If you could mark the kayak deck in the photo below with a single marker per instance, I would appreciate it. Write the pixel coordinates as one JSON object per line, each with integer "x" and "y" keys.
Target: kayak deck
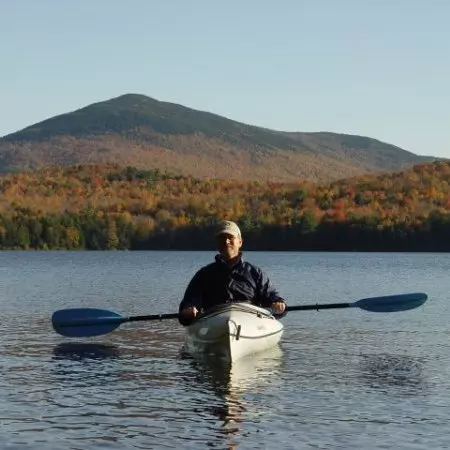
{"x": 234, "y": 330}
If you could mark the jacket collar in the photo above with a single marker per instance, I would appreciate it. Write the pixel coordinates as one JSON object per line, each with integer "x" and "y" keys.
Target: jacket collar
{"x": 219, "y": 259}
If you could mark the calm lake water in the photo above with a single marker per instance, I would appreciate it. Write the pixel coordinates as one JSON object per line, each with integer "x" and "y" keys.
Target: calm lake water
{"x": 339, "y": 378}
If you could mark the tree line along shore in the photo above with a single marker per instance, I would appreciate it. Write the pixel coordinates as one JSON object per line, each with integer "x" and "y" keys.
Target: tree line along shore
{"x": 106, "y": 207}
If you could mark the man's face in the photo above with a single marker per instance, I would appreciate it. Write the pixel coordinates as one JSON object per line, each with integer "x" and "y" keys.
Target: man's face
{"x": 229, "y": 245}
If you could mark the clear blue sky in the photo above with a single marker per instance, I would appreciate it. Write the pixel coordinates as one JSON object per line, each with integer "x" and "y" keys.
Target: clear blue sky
{"x": 373, "y": 68}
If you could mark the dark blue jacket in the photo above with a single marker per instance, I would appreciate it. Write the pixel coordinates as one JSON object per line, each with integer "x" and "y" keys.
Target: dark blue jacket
{"x": 219, "y": 283}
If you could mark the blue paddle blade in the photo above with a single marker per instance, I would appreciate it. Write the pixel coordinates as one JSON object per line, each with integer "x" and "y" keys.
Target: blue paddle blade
{"x": 83, "y": 322}
{"x": 391, "y": 303}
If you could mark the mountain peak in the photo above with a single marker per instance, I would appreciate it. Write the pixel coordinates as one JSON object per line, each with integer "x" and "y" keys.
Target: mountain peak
{"x": 137, "y": 130}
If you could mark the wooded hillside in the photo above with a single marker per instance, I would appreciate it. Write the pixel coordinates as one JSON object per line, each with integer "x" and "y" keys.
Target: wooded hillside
{"x": 110, "y": 207}
{"x": 134, "y": 130}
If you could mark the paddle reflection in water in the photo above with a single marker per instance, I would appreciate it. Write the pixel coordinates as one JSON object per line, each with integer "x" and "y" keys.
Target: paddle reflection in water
{"x": 237, "y": 386}
{"x": 77, "y": 351}
{"x": 127, "y": 359}
{"x": 398, "y": 374}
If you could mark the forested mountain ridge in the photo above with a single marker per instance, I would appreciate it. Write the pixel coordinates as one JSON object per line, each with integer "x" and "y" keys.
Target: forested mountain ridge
{"x": 135, "y": 130}
{"x": 111, "y": 207}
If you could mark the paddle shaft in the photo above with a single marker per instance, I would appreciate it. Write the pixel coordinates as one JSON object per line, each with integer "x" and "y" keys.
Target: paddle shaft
{"x": 289, "y": 308}
{"x": 317, "y": 307}
{"x": 151, "y": 317}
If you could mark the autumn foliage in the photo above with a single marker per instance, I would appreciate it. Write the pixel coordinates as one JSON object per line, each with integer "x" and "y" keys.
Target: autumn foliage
{"x": 111, "y": 207}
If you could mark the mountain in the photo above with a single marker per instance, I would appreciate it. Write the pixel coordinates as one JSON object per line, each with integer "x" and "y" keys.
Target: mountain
{"x": 139, "y": 131}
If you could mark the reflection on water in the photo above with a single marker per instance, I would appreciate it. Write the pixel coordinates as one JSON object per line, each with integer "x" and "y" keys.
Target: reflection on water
{"x": 77, "y": 351}
{"x": 232, "y": 384}
{"x": 399, "y": 374}
{"x": 252, "y": 371}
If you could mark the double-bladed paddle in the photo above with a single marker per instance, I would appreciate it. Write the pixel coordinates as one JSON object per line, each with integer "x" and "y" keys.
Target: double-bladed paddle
{"x": 84, "y": 322}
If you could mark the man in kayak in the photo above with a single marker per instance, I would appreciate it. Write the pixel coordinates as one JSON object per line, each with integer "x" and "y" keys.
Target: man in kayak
{"x": 229, "y": 279}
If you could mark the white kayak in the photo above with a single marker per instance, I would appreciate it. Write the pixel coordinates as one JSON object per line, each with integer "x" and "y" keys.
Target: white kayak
{"x": 234, "y": 330}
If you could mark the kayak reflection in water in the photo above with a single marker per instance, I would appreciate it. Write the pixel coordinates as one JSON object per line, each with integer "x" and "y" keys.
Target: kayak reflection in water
{"x": 229, "y": 279}
{"x": 228, "y": 391}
